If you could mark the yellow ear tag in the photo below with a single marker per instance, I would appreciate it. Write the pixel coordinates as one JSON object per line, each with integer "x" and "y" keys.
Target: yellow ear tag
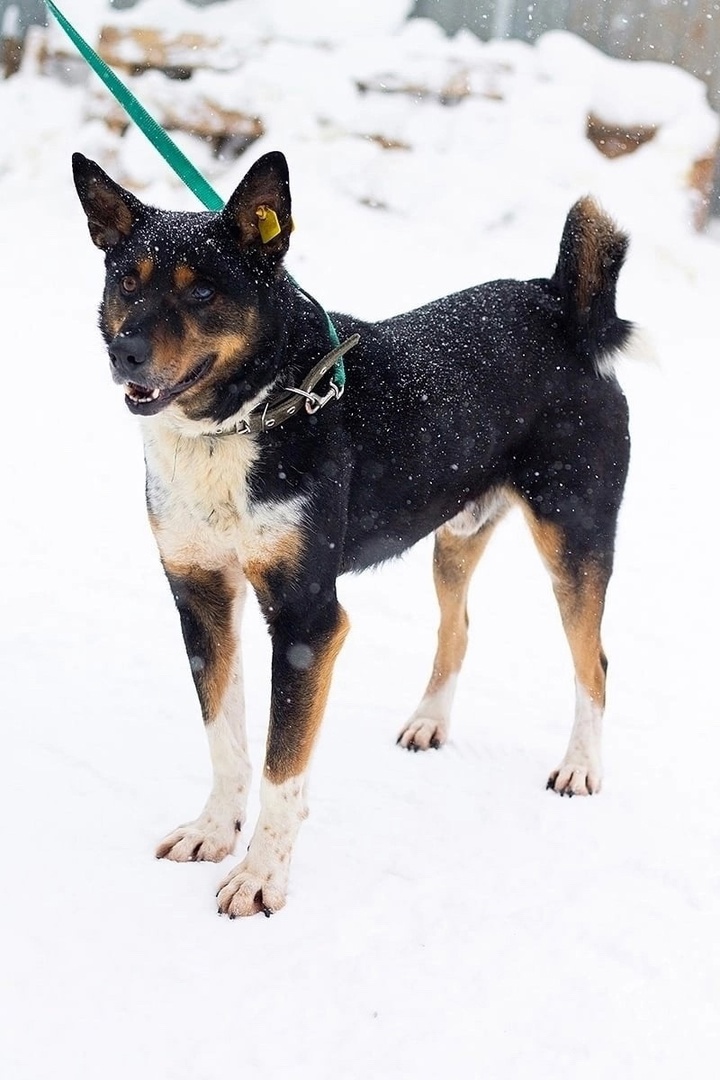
{"x": 268, "y": 224}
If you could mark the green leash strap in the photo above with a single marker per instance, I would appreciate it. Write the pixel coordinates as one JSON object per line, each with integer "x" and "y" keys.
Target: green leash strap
{"x": 175, "y": 158}
{"x": 137, "y": 112}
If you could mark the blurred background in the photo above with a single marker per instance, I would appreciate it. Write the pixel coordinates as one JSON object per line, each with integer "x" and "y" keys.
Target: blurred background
{"x": 181, "y": 39}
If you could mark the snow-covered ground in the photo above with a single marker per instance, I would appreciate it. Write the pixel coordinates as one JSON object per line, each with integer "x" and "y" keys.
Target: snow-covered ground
{"x": 447, "y": 916}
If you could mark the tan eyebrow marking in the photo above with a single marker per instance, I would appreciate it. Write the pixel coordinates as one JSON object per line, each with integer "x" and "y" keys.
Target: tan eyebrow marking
{"x": 145, "y": 268}
{"x": 183, "y": 276}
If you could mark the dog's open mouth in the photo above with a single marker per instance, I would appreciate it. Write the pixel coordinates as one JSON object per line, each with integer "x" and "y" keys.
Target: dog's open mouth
{"x": 148, "y": 400}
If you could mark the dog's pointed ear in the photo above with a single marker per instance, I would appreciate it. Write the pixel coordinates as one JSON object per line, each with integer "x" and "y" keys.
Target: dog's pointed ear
{"x": 111, "y": 211}
{"x": 259, "y": 211}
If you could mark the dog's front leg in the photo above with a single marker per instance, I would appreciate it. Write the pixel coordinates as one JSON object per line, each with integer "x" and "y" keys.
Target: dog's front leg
{"x": 306, "y": 637}
{"x": 210, "y": 603}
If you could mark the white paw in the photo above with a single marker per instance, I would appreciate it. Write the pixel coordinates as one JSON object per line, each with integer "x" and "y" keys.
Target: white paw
{"x": 423, "y": 733}
{"x": 205, "y": 839}
{"x": 253, "y": 887}
{"x": 576, "y": 777}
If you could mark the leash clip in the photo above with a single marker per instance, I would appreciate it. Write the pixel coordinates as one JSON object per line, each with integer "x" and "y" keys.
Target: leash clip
{"x": 315, "y": 402}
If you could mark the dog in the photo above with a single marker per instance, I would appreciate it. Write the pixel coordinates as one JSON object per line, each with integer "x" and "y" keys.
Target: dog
{"x": 497, "y": 396}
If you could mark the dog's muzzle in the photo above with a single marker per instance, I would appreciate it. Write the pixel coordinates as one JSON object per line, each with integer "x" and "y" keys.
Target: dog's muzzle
{"x": 131, "y": 356}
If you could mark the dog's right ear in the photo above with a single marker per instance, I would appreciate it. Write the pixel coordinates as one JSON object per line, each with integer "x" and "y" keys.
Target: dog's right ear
{"x": 111, "y": 211}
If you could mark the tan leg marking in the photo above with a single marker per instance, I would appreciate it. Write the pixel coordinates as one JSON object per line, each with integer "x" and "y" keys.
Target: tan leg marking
{"x": 580, "y": 594}
{"x": 454, "y": 560}
{"x": 211, "y": 605}
{"x": 290, "y": 746}
{"x": 284, "y": 555}
{"x": 208, "y": 598}
{"x": 289, "y": 749}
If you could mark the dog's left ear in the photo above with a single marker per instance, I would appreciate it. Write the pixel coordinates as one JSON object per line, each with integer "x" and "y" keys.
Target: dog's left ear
{"x": 260, "y": 208}
{"x": 112, "y": 212}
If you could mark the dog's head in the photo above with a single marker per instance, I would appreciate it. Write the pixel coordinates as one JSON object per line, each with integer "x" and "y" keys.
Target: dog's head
{"x": 189, "y": 311}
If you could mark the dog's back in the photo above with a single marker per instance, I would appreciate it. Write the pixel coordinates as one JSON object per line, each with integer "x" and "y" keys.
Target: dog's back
{"x": 483, "y": 388}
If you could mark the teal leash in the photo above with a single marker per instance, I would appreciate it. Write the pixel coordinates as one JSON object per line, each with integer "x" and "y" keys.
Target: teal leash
{"x": 173, "y": 155}
{"x": 137, "y": 112}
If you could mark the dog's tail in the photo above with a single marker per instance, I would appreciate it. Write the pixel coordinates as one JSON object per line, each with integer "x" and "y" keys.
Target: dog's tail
{"x": 592, "y": 252}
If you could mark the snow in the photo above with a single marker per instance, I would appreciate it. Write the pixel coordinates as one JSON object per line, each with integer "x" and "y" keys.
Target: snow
{"x": 447, "y": 916}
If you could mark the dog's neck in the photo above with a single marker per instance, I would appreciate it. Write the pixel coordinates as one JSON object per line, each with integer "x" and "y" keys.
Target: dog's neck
{"x": 173, "y": 421}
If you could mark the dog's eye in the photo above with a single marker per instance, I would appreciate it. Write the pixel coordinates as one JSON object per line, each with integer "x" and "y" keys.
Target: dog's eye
{"x": 129, "y": 284}
{"x": 201, "y": 292}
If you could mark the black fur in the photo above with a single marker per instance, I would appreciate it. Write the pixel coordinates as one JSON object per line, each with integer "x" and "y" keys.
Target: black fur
{"x": 505, "y": 387}
{"x": 488, "y": 386}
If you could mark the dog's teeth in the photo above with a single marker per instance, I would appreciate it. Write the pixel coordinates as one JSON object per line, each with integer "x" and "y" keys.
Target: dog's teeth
{"x": 141, "y": 399}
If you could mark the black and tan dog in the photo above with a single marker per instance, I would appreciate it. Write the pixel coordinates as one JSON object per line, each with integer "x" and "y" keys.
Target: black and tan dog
{"x": 496, "y": 396}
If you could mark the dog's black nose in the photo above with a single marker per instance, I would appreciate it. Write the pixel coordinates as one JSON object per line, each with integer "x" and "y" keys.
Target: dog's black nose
{"x": 129, "y": 352}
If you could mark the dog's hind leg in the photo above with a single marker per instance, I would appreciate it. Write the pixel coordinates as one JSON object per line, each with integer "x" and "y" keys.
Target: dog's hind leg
{"x": 210, "y": 604}
{"x": 459, "y": 546}
{"x": 579, "y": 584}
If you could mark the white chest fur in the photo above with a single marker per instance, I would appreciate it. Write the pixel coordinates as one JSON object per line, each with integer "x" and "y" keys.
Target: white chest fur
{"x": 199, "y": 500}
